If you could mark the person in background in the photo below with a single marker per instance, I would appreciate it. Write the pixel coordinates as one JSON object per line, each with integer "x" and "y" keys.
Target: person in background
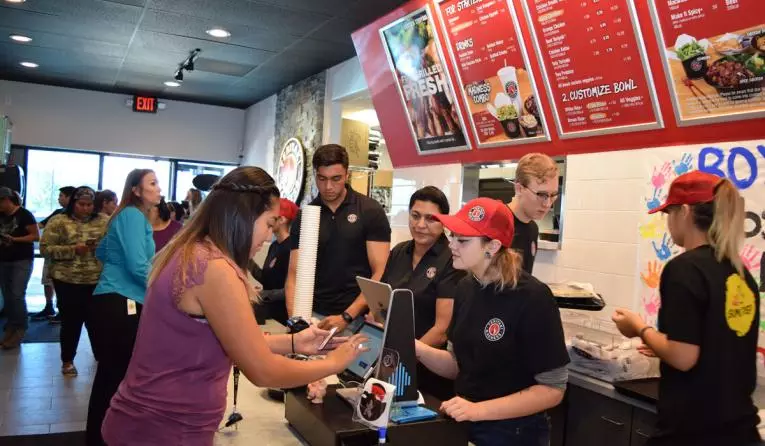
{"x": 163, "y": 224}
{"x": 106, "y": 203}
{"x": 709, "y": 320}
{"x": 18, "y": 232}
{"x": 424, "y": 265}
{"x": 70, "y": 241}
{"x": 198, "y": 319}
{"x": 194, "y": 199}
{"x": 176, "y": 211}
{"x": 64, "y": 195}
{"x": 354, "y": 240}
{"x": 506, "y": 347}
{"x": 274, "y": 273}
{"x": 125, "y": 252}
{"x": 536, "y": 191}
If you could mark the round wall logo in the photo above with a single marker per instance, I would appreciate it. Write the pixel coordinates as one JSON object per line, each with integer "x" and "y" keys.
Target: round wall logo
{"x": 290, "y": 172}
{"x": 511, "y": 88}
{"x": 495, "y": 330}
{"x": 476, "y": 213}
{"x": 353, "y": 218}
{"x": 431, "y": 272}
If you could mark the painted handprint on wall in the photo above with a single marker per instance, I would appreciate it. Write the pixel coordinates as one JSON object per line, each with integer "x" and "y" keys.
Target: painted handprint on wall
{"x": 654, "y": 201}
{"x": 663, "y": 252}
{"x": 653, "y": 229}
{"x": 651, "y": 305}
{"x": 651, "y": 277}
{"x": 751, "y": 257}
{"x": 684, "y": 165}
{"x": 661, "y": 176}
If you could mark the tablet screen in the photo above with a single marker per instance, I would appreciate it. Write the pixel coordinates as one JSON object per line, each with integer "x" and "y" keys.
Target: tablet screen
{"x": 367, "y": 359}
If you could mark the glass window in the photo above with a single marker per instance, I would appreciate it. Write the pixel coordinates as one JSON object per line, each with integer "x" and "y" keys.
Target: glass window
{"x": 117, "y": 168}
{"x": 49, "y": 170}
{"x": 186, "y": 171}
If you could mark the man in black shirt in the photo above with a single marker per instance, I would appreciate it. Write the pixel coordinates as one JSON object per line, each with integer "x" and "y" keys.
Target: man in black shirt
{"x": 536, "y": 190}
{"x": 354, "y": 240}
{"x": 18, "y": 232}
{"x": 276, "y": 266}
{"x": 64, "y": 194}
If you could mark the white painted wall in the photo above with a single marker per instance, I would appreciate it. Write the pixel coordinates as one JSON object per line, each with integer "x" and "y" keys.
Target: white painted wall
{"x": 259, "y": 134}
{"x": 344, "y": 80}
{"x": 49, "y": 116}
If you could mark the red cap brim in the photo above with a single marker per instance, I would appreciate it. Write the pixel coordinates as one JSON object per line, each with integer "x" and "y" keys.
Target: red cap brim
{"x": 458, "y": 225}
{"x": 659, "y": 209}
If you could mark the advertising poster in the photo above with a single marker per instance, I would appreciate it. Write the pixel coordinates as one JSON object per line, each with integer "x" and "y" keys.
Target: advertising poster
{"x": 714, "y": 57}
{"x": 498, "y": 87}
{"x": 422, "y": 79}
{"x": 594, "y": 66}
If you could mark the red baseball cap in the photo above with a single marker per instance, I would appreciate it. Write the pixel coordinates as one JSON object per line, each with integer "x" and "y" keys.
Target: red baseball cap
{"x": 690, "y": 188}
{"x": 287, "y": 209}
{"x": 482, "y": 217}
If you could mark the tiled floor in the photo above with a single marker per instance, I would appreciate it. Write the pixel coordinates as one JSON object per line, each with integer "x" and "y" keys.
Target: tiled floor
{"x": 36, "y": 399}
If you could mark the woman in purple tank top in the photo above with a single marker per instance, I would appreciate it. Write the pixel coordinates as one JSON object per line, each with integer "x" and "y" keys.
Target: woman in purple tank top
{"x": 197, "y": 320}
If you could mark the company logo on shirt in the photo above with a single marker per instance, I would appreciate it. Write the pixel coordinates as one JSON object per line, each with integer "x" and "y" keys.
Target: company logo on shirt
{"x": 739, "y": 305}
{"x": 476, "y": 213}
{"x": 494, "y": 330}
{"x": 273, "y": 262}
{"x": 431, "y": 272}
{"x": 353, "y": 218}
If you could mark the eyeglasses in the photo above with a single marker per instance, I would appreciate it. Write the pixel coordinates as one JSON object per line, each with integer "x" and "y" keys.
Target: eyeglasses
{"x": 544, "y": 196}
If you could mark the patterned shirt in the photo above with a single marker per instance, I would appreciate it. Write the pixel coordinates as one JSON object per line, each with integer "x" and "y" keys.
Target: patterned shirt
{"x": 61, "y": 235}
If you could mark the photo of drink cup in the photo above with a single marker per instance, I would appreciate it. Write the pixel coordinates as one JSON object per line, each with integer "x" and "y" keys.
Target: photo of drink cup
{"x": 508, "y": 77}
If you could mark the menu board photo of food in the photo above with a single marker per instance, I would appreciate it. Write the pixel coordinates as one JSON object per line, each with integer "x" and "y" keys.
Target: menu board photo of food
{"x": 423, "y": 83}
{"x": 594, "y": 66}
{"x": 714, "y": 58}
{"x": 490, "y": 59}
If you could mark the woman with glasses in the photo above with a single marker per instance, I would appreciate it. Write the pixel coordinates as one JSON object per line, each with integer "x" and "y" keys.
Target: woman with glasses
{"x": 536, "y": 191}
{"x": 424, "y": 265}
{"x": 506, "y": 349}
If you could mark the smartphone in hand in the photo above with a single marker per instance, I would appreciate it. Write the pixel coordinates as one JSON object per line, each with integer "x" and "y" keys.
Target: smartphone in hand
{"x": 328, "y": 338}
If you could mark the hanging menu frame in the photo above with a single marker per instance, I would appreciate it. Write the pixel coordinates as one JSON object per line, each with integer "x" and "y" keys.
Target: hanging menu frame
{"x": 658, "y": 122}
{"x": 444, "y": 62}
{"x": 690, "y": 121}
{"x": 545, "y": 136}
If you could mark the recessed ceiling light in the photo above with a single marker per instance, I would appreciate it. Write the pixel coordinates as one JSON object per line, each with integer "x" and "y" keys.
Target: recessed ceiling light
{"x": 29, "y": 64}
{"x": 219, "y": 33}
{"x": 173, "y": 84}
{"x": 15, "y": 1}
{"x": 20, "y": 38}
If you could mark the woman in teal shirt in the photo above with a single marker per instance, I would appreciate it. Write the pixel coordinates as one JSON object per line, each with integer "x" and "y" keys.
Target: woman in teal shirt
{"x": 126, "y": 252}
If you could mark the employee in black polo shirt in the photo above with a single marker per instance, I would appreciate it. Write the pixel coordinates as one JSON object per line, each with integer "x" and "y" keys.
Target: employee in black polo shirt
{"x": 424, "y": 265}
{"x": 506, "y": 347}
{"x": 354, "y": 240}
{"x": 274, "y": 273}
{"x": 709, "y": 320}
{"x": 536, "y": 190}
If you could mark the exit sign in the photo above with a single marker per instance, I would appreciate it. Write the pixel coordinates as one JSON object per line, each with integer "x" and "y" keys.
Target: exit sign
{"x": 145, "y": 104}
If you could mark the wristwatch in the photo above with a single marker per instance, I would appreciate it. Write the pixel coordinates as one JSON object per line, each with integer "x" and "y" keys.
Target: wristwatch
{"x": 347, "y": 317}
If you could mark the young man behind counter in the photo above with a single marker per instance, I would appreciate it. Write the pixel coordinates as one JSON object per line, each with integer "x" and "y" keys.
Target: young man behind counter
{"x": 536, "y": 191}
{"x": 354, "y": 240}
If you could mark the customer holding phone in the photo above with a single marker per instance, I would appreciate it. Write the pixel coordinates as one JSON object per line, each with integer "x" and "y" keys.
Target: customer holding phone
{"x": 708, "y": 322}
{"x": 69, "y": 243}
{"x": 506, "y": 348}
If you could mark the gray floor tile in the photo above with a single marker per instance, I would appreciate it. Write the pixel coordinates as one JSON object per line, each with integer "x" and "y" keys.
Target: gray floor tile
{"x": 43, "y": 417}
{"x": 67, "y": 427}
{"x": 6, "y": 430}
{"x": 26, "y": 404}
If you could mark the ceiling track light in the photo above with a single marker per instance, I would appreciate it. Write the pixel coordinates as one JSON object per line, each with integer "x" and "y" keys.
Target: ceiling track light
{"x": 179, "y": 75}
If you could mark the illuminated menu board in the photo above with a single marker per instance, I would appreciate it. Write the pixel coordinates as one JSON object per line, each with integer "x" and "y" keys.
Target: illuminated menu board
{"x": 497, "y": 84}
{"x": 714, "y": 57}
{"x": 594, "y": 66}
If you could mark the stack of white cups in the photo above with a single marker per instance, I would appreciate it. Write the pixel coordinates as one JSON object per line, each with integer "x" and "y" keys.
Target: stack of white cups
{"x": 305, "y": 276}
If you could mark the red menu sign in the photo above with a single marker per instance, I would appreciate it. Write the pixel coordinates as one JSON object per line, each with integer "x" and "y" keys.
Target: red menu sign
{"x": 493, "y": 70}
{"x": 714, "y": 55}
{"x": 594, "y": 64}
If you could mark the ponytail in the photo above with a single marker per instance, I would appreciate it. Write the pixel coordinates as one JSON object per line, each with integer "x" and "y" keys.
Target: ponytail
{"x": 505, "y": 268}
{"x": 723, "y": 219}
{"x": 727, "y": 230}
